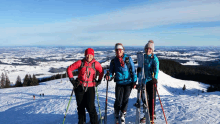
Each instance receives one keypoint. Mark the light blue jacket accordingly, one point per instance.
(149, 63)
(122, 74)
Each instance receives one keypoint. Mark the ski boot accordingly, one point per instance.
(155, 117)
(117, 120)
(152, 122)
(116, 114)
(123, 117)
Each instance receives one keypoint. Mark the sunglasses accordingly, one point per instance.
(117, 50)
(148, 48)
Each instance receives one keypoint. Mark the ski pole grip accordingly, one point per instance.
(107, 74)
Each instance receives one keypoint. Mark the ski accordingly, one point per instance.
(141, 91)
(139, 76)
(145, 105)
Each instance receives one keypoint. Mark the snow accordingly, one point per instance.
(190, 63)
(17, 105)
(181, 107)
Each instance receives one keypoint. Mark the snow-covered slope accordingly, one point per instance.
(181, 107)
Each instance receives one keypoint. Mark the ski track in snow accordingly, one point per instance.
(181, 107)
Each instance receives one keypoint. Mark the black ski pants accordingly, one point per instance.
(86, 100)
(149, 88)
(122, 93)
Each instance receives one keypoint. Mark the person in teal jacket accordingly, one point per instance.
(125, 77)
(151, 70)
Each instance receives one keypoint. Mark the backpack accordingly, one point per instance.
(82, 65)
(127, 62)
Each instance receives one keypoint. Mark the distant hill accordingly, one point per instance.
(204, 74)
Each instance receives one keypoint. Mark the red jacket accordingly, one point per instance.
(83, 74)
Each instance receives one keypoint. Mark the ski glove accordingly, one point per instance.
(154, 80)
(97, 82)
(74, 82)
(139, 70)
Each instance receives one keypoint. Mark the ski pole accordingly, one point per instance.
(153, 100)
(153, 107)
(68, 106)
(98, 104)
(161, 106)
(106, 101)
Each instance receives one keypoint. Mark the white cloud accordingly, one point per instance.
(109, 26)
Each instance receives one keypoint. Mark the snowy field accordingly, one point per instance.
(191, 106)
(39, 60)
(181, 107)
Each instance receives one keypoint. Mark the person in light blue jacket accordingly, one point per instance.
(125, 77)
(151, 70)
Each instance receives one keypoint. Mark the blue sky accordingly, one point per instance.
(104, 23)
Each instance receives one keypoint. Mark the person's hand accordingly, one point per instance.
(74, 82)
(107, 77)
(154, 80)
(134, 86)
(97, 83)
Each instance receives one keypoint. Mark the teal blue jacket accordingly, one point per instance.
(150, 65)
(122, 74)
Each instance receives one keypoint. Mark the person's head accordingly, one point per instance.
(89, 54)
(119, 49)
(149, 47)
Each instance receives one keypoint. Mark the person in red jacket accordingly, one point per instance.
(84, 85)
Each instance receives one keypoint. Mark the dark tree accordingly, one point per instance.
(35, 80)
(26, 79)
(7, 82)
(18, 82)
(30, 81)
(3, 81)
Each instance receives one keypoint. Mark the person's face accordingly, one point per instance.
(89, 57)
(149, 51)
(119, 52)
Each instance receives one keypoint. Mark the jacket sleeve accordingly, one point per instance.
(99, 68)
(156, 67)
(134, 78)
(111, 69)
(73, 67)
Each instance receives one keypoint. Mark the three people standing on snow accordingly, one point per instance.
(122, 70)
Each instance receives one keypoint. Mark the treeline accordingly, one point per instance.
(57, 76)
(196, 73)
(28, 81)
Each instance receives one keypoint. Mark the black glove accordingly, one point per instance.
(97, 82)
(138, 70)
(74, 82)
(154, 80)
(137, 86)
